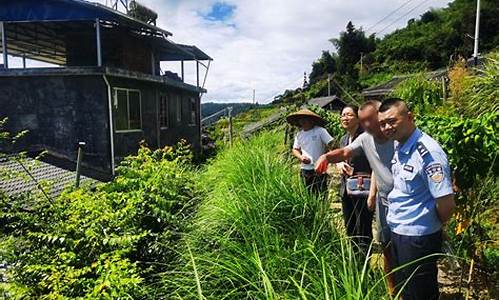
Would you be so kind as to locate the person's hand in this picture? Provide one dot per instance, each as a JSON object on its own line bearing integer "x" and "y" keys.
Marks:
{"x": 344, "y": 168}
{"x": 371, "y": 202}
{"x": 321, "y": 164}
{"x": 305, "y": 160}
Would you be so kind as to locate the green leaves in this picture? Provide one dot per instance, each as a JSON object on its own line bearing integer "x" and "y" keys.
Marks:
{"x": 471, "y": 144}
{"x": 422, "y": 94}
{"x": 103, "y": 243}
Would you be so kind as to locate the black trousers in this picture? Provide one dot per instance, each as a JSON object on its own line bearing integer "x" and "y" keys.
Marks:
{"x": 421, "y": 276}
{"x": 358, "y": 221}
{"x": 314, "y": 182}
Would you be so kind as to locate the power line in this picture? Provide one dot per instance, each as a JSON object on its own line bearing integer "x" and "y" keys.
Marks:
{"x": 390, "y": 14}
{"x": 411, "y": 10}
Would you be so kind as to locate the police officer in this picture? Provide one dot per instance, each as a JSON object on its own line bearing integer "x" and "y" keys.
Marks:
{"x": 420, "y": 203}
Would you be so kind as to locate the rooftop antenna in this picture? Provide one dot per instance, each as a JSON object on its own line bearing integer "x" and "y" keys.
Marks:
{"x": 118, "y": 4}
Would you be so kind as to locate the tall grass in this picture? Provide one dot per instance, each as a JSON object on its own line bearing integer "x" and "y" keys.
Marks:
{"x": 259, "y": 234}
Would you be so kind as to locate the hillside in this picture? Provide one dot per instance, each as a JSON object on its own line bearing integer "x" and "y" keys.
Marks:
{"x": 435, "y": 40}
{"x": 210, "y": 108}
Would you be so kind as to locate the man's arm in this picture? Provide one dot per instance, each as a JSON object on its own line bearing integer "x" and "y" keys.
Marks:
{"x": 333, "y": 156}
{"x": 372, "y": 195}
{"x": 298, "y": 154}
{"x": 444, "y": 207}
{"x": 338, "y": 155}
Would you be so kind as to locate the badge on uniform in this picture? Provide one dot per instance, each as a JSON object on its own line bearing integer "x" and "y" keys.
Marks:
{"x": 435, "y": 172}
{"x": 408, "y": 168}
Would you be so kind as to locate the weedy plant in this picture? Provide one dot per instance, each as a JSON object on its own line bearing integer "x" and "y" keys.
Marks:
{"x": 258, "y": 234}
{"x": 106, "y": 243}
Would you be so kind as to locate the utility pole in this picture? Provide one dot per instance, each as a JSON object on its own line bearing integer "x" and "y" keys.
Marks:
{"x": 361, "y": 68}
{"x": 230, "y": 128}
{"x": 329, "y": 78}
{"x": 476, "y": 36}
{"x": 253, "y": 99}
{"x": 79, "y": 163}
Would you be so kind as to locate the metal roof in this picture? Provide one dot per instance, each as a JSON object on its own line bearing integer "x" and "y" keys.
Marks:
{"x": 37, "y": 29}
{"x": 389, "y": 86}
{"x": 68, "y": 10}
{"x": 56, "y": 178}
{"x": 324, "y": 101}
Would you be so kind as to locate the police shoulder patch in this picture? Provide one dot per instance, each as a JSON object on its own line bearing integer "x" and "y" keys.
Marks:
{"x": 435, "y": 172}
{"x": 422, "y": 150}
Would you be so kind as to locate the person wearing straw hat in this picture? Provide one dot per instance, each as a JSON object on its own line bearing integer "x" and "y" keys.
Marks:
{"x": 309, "y": 144}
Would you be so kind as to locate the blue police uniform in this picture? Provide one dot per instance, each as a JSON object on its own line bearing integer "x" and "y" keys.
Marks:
{"x": 421, "y": 175}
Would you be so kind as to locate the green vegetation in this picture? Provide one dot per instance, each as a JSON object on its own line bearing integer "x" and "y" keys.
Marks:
{"x": 243, "y": 226}
{"x": 438, "y": 37}
{"x": 219, "y": 131}
{"x": 104, "y": 243}
{"x": 424, "y": 94}
{"x": 258, "y": 234}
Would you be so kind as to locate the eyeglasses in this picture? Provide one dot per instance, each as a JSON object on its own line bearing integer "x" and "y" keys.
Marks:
{"x": 350, "y": 115}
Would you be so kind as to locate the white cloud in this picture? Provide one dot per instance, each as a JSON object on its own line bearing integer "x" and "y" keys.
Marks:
{"x": 268, "y": 44}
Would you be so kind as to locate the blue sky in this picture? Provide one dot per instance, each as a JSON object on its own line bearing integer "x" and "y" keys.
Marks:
{"x": 220, "y": 11}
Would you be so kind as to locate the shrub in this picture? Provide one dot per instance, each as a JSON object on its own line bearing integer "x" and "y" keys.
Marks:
{"x": 471, "y": 144}
{"x": 104, "y": 243}
{"x": 421, "y": 93}
{"x": 475, "y": 93}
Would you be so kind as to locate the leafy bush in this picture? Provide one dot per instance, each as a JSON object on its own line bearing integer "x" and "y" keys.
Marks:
{"x": 421, "y": 93}
{"x": 259, "y": 234}
{"x": 471, "y": 144}
{"x": 475, "y": 92}
{"x": 104, "y": 243}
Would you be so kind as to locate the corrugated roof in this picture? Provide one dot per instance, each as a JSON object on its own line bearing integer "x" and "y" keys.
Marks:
{"x": 324, "y": 101}
{"x": 57, "y": 178}
{"x": 388, "y": 86}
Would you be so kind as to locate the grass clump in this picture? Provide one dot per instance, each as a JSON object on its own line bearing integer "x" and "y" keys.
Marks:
{"x": 258, "y": 234}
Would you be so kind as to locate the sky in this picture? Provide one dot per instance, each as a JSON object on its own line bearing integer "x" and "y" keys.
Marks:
{"x": 267, "y": 45}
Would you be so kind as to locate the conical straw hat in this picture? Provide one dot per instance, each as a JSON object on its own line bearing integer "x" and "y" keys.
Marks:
{"x": 293, "y": 118}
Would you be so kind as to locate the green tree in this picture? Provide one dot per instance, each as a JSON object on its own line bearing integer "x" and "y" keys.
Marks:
{"x": 326, "y": 64}
{"x": 350, "y": 44}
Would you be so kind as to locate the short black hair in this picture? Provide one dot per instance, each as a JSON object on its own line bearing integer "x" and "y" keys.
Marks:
{"x": 390, "y": 102}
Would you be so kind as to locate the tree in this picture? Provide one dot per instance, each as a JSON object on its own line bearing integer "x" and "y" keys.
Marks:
{"x": 326, "y": 64}
{"x": 350, "y": 45}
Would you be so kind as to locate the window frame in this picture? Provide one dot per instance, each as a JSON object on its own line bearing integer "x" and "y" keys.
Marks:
{"x": 178, "y": 109}
{"x": 115, "y": 105}
{"x": 166, "y": 98}
{"x": 192, "y": 117}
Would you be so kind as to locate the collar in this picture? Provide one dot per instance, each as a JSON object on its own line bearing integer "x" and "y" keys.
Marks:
{"x": 410, "y": 142}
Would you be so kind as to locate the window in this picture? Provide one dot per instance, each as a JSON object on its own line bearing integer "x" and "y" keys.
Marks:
{"x": 192, "y": 120}
{"x": 163, "y": 116}
{"x": 178, "y": 107}
{"x": 127, "y": 109}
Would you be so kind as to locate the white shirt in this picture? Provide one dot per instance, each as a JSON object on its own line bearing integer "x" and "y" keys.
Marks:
{"x": 312, "y": 143}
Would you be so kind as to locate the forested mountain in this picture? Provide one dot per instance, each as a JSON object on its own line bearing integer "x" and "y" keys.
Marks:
{"x": 432, "y": 41}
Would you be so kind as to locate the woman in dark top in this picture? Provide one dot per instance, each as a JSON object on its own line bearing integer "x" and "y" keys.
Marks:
{"x": 357, "y": 216}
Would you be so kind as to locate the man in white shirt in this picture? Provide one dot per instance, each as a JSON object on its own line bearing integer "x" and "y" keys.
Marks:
{"x": 310, "y": 143}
